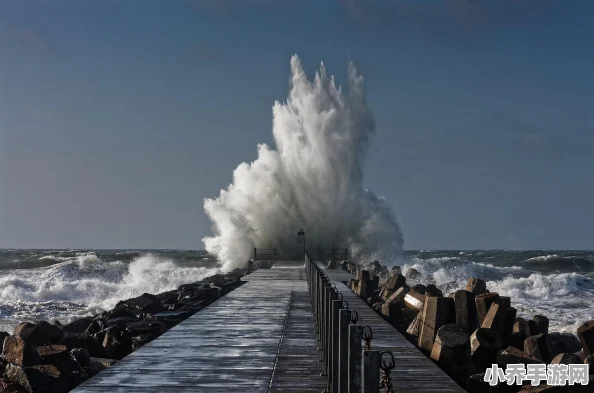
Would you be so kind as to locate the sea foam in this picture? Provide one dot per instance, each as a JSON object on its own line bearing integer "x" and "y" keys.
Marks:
{"x": 311, "y": 179}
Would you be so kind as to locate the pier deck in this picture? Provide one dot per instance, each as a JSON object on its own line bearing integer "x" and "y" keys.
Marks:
{"x": 257, "y": 338}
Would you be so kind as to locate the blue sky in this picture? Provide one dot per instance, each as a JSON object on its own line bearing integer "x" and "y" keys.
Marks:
{"x": 118, "y": 117}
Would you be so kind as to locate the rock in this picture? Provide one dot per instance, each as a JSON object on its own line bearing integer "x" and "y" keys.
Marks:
{"x": 451, "y": 349}
{"x": 521, "y": 326}
{"x": 9, "y": 387}
{"x": 19, "y": 351}
{"x": 533, "y": 328}
{"x": 500, "y": 319}
{"x": 414, "y": 329}
{"x": 76, "y": 340}
{"x": 466, "y": 315}
{"x": 513, "y": 355}
{"x": 476, "y": 384}
{"x": 420, "y": 288}
{"x": 117, "y": 342}
{"x": 139, "y": 341}
{"x": 145, "y": 303}
{"x": 78, "y": 326}
{"x": 539, "y": 347}
{"x": 483, "y": 303}
{"x": 414, "y": 300}
{"x": 438, "y": 311}
{"x": 52, "y": 354}
{"x": 542, "y": 322}
{"x": 505, "y": 300}
{"x": 105, "y": 362}
{"x": 517, "y": 339}
{"x": 81, "y": 356}
{"x": 476, "y": 286}
{"x": 566, "y": 358}
{"x": 398, "y": 295}
{"x": 586, "y": 335}
{"x": 413, "y": 274}
{"x": 144, "y": 327}
{"x": 432, "y": 290}
{"x": 38, "y": 379}
{"x": 564, "y": 343}
{"x": 484, "y": 345}
{"x": 38, "y": 333}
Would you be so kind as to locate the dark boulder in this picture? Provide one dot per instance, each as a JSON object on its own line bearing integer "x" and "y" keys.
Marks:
{"x": 78, "y": 326}
{"x": 539, "y": 347}
{"x": 564, "y": 343}
{"x": 53, "y": 354}
{"x": 19, "y": 351}
{"x": 117, "y": 342}
{"x": 145, "y": 303}
{"x": 75, "y": 340}
{"x": 37, "y": 379}
{"x": 39, "y": 333}
{"x": 139, "y": 341}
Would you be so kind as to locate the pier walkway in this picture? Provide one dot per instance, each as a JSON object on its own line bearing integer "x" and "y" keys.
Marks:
{"x": 257, "y": 338}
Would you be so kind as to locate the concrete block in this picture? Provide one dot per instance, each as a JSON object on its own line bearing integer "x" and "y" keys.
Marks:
{"x": 484, "y": 345}
{"x": 476, "y": 286}
{"x": 483, "y": 303}
{"x": 466, "y": 314}
{"x": 438, "y": 311}
{"x": 586, "y": 335}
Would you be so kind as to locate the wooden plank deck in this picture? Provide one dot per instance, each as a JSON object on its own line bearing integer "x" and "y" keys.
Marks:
{"x": 413, "y": 372}
{"x": 258, "y": 338}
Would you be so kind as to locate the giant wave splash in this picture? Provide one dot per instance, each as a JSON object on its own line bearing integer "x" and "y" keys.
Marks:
{"x": 313, "y": 180}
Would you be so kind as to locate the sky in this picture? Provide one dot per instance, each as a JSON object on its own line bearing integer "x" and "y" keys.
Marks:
{"x": 117, "y": 118}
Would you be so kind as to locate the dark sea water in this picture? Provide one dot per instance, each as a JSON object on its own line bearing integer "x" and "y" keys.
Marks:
{"x": 66, "y": 284}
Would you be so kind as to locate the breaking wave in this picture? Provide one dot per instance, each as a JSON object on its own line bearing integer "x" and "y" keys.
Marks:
{"x": 311, "y": 180}
{"x": 86, "y": 284}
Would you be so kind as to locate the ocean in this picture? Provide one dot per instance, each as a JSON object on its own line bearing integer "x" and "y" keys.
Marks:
{"x": 68, "y": 284}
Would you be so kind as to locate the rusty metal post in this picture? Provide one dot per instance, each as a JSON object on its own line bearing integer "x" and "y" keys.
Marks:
{"x": 371, "y": 371}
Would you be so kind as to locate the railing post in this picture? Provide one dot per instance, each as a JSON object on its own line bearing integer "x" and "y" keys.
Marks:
{"x": 343, "y": 350}
{"x": 336, "y": 306}
{"x": 371, "y": 371}
{"x": 355, "y": 348}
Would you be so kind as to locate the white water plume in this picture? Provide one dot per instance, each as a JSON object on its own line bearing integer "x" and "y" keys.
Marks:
{"x": 312, "y": 180}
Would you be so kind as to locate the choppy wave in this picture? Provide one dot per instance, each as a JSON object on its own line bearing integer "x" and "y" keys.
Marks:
{"x": 87, "y": 284}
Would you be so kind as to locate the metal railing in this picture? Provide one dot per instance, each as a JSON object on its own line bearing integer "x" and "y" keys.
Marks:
{"x": 333, "y": 254}
{"x": 350, "y": 365}
{"x": 264, "y": 254}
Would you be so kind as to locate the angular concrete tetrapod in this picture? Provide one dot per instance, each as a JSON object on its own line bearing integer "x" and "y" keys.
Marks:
{"x": 586, "y": 335}
{"x": 398, "y": 295}
{"x": 567, "y": 358}
{"x": 539, "y": 347}
{"x": 451, "y": 349}
{"x": 476, "y": 286}
{"x": 437, "y": 312}
{"x": 501, "y": 319}
{"x": 414, "y": 300}
{"x": 483, "y": 303}
{"x": 521, "y": 325}
{"x": 512, "y": 355}
{"x": 542, "y": 322}
{"x": 466, "y": 315}
{"x": 484, "y": 345}
{"x": 414, "y": 329}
